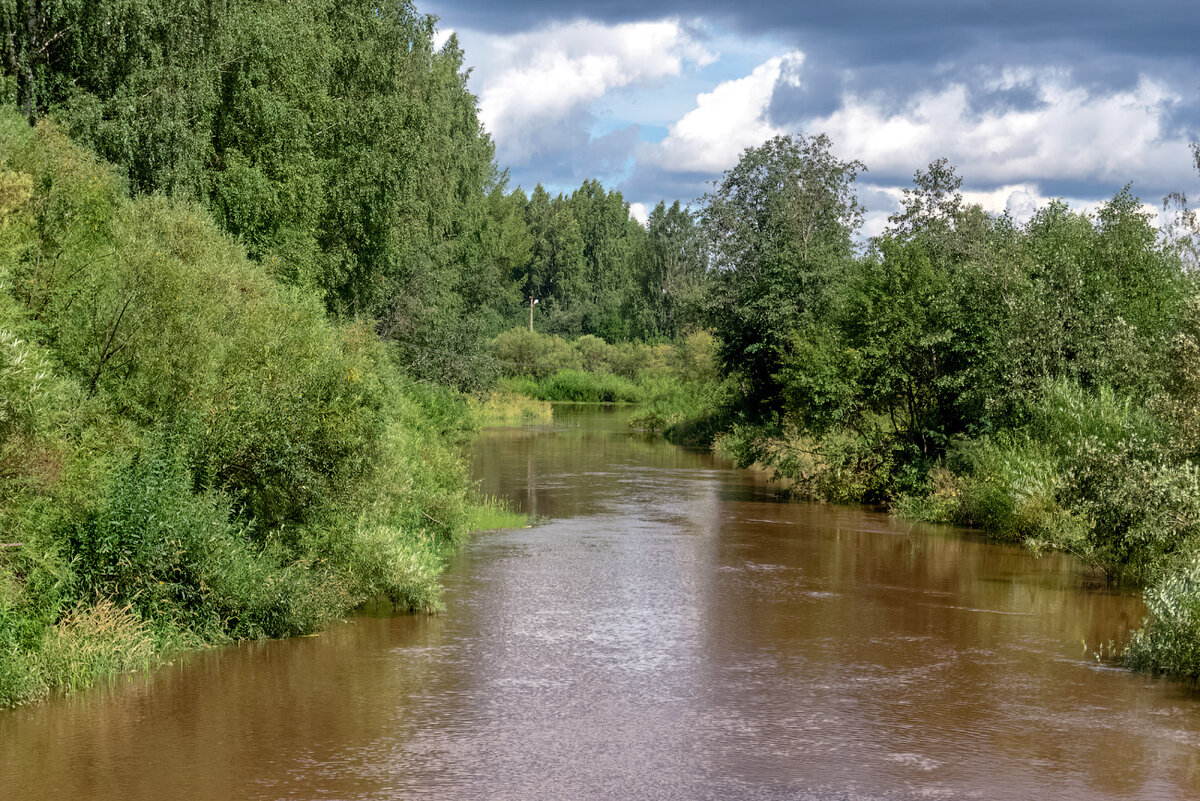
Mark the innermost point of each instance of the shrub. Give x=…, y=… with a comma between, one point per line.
x=1169, y=642
x=524, y=352
x=1145, y=514
x=595, y=354
x=694, y=359
x=509, y=408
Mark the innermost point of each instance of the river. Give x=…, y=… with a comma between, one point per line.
x=671, y=630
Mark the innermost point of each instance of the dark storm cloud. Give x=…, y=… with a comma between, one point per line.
x=818, y=93
x=865, y=32
x=651, y=183
x=1105, y=189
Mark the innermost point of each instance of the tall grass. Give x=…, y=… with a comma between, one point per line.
x=492, y=512
x=501, y=407
x=577, y=386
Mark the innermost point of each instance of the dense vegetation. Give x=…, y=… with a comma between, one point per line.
x=192, y=453
x=1035, y=380
x=227, y=358
x=249, y=250
x=342, y=149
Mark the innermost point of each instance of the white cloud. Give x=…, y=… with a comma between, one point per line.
x=441, y=36
x=1071, y=134
x=1021, y=201
x=725, y=121
x=639, y=212
x=1021, y=205
x=536, y=77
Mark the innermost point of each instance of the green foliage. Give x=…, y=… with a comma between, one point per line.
x=509, y=408
x=1170, y=640
x=672, y=404
x=579, y=387
x=781, y=224
x=193, y=453
x=596, y=271
x=344, y=152
x=332, y=139
x=532, y=353
x=526, y=353
x=1037, y=381
x=1085, y=474
x=494, y=513
x=672, y=281
x=674, y=380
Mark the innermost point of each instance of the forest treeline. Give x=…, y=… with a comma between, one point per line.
x=252, y=249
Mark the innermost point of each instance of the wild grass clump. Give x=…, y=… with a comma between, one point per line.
x=92, y=641
x=492, y=512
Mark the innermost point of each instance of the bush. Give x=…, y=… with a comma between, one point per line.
x=1169, y=642
x=1144, y=514
x=1011, y=491
x=531, y=353
x=595, y=355
x=694, y=359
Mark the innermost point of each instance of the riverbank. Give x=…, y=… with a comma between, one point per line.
x=191, y=453
x=1090, y=475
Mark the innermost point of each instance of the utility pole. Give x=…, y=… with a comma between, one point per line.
x=531, y=302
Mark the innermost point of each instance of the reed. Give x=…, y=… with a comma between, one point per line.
x=494, y=512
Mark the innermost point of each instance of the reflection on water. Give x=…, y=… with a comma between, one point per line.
x=672, y=631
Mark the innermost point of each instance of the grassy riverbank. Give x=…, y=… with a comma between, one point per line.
x=192, y=454
x=1094, y=475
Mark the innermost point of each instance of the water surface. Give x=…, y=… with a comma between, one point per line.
x=671, y=631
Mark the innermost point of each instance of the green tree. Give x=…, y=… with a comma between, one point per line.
x=671, y=279
x=781, y=225
x=332, y=138
x=557, y=265
x=611, y=241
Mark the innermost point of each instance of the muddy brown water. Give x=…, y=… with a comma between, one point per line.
x=672, y=631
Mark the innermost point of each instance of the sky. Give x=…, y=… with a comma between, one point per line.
x=1029, y=100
